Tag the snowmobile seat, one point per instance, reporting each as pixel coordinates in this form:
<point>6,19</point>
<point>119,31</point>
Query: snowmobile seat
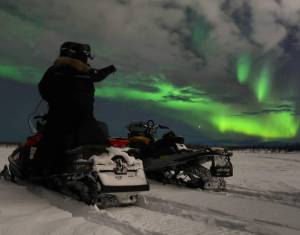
<point>86,151</point>
<point>171,137</point>
<point>78,159</point>
<point>139,141</point>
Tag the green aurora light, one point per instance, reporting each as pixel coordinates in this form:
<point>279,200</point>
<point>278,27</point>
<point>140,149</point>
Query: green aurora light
<point>203,109</point>
<point>200,37</point>
<point>270,126</point>
<point>200,34</point>
<point>263,84</point>
<point>243,68</point>
<point>23,74</point>
<point>192,105</point>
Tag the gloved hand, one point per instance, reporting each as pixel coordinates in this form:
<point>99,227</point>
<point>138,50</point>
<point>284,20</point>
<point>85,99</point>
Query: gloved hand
<point>98,75</point>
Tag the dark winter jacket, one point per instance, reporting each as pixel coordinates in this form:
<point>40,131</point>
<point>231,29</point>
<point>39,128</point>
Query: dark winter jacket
<point>68,87</point>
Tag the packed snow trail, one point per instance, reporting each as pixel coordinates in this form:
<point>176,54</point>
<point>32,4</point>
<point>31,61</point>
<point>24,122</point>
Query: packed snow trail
<point>262,198</point>
<point>22,212</point>
<point>140,219</point>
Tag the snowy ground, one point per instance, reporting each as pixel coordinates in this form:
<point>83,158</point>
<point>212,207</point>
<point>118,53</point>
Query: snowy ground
<point>262,198</point>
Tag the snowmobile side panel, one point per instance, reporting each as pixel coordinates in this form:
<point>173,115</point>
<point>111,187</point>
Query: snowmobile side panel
<point>176,159</point>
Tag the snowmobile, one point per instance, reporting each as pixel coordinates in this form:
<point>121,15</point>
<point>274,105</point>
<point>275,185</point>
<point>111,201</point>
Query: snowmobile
<point>169,160</point>
<point>98,175</point>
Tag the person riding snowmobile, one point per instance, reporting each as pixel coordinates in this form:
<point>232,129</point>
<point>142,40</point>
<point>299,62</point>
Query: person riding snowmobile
<point>68,88</point>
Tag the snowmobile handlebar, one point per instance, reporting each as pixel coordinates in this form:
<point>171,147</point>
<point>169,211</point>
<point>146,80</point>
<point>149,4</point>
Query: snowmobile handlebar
<point>147,128</point>
<point>152,127</point>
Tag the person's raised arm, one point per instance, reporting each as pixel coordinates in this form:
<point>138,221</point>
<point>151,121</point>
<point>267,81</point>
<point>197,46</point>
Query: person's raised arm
<point>98,75</point>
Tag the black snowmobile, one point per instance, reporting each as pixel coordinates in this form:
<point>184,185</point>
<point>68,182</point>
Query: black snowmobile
<point>169,160</point>
<point>96,174</point>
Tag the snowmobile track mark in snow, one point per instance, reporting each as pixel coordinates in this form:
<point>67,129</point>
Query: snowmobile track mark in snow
<point>76,208</point>
<point>206,215</point>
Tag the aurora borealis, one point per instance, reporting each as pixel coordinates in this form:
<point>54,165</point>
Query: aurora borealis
<point>243,68</point>
<point>164,95</point>
<point>263,84</point>
<point>194,65</point>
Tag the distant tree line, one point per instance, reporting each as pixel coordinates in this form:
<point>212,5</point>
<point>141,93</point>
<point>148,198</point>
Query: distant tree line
<point>271,147</point>
<point>267,147</point>
<point>9,143</point>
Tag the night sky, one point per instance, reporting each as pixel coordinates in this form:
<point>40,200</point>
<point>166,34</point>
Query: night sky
<point>213,70</point>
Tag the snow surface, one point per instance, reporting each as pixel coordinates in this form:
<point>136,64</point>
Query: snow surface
<point>263,197</point>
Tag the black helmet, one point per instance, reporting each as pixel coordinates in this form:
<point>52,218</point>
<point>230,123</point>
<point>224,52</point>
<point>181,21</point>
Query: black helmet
<point>76,50</point>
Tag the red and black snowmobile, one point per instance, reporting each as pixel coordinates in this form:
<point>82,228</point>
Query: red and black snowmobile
<point>95,174</point>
